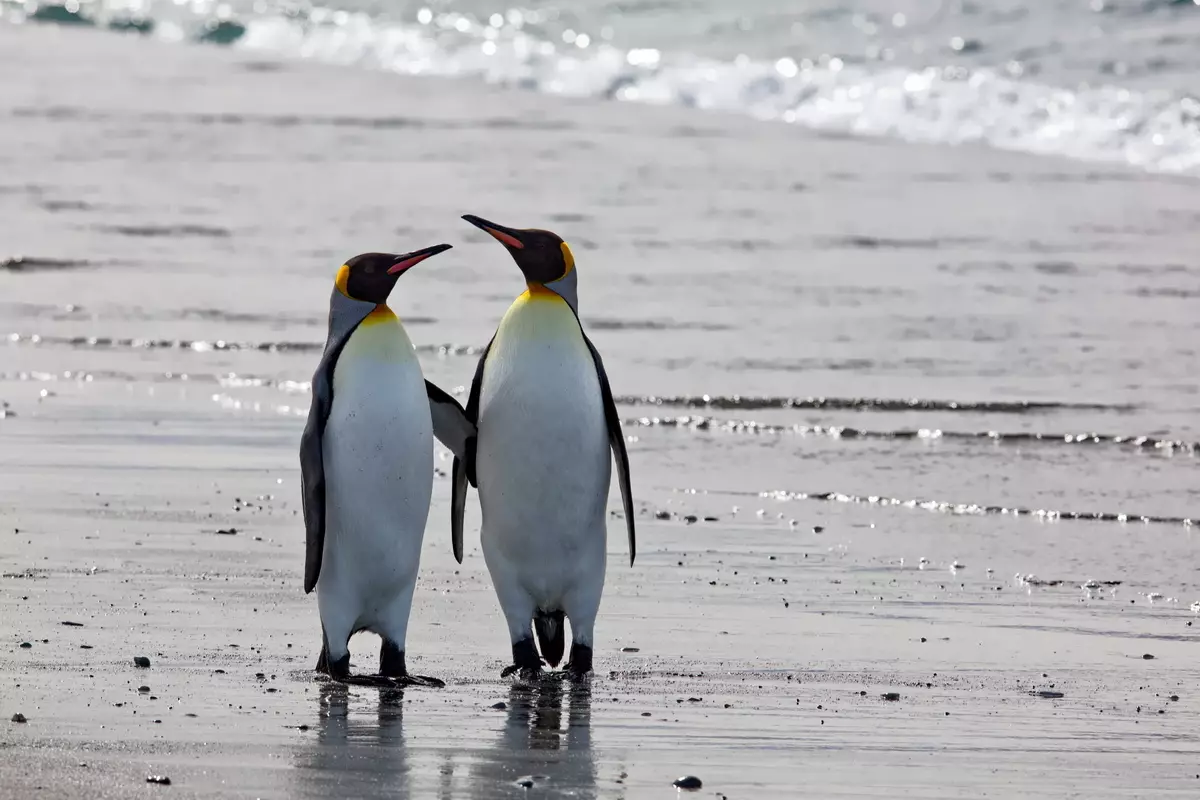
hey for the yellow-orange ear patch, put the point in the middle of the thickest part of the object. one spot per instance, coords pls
(343, 278)
(568, 258)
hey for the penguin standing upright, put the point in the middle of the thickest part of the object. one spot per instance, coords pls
(545, 422)
(366, 462)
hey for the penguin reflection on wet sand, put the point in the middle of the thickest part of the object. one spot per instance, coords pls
(366, 462)
(546, 422)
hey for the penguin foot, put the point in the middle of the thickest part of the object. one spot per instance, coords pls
(322, 661)
(391, 660)
(526, 661)
(421, 680)
(580, 664)
(392, 667)
(374, 681)
(338, 670)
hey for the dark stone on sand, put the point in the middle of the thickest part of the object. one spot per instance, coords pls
(161, 780)
(645, 713)
(1174, 698)
(892, 696)
(73, 624)
(18, 717)
(1148, 656)
(689, 782)
(144, 689)
(631, 649)
(690, 518)
(662, 515)
(227, 531)
(711, 519)
(141, 661)
(301, 727)
(500, 706)
(1049, 695)
(818, 528)
(26, 645)
(524, 783)
(85, 647)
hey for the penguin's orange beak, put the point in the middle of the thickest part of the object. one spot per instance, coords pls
(505, 236)
(409, 260)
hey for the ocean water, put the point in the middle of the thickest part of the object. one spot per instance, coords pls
(1099, 80)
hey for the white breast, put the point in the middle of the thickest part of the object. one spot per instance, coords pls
(543, 460)
(378, 448)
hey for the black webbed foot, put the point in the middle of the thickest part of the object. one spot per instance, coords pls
(338, 670)
(421, 680)
(580, 665)
(526, 661)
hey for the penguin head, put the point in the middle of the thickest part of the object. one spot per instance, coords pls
(371, 276)
(542, 256)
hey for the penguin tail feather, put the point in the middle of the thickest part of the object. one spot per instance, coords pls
(551, 635)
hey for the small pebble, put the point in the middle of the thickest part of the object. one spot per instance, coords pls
(500, 706)
(631, 649)
(161, 780)
(144, 689)
(645, 713)
(1050, 695)
(19, 718)
(73, 624)
(141, 661)
(689, 782)
(1148, 656)
(892, 696)
(818, 528)
(26, 645)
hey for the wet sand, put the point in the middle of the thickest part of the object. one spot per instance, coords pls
(211, 196)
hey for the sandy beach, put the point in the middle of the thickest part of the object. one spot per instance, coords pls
(171, 218)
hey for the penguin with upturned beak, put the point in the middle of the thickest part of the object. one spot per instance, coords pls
(547, 434)
(366, 462)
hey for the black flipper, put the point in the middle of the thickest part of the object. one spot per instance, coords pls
(345, 315)
(450, 423)
(616, 440)
(463, 471)
(551, 635)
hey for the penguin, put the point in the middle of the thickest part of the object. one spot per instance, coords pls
(540, 459)
(366, 463)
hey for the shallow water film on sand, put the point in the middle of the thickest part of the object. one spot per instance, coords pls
(912, 417)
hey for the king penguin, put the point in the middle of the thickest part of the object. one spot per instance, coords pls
(545, 423)
(366, 462)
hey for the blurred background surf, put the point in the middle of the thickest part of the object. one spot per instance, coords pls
(1102, 80)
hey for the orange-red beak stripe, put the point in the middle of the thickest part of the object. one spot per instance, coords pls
(408, 262)
(504, 238)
